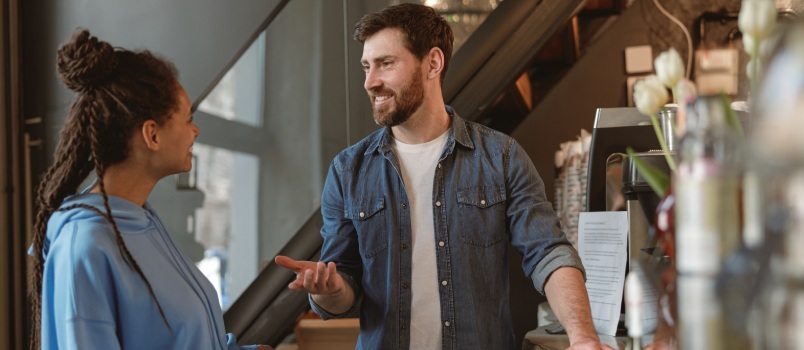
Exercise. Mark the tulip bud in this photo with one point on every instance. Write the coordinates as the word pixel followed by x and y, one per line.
pixel 669 67
pixel 650 95
pixel 757 18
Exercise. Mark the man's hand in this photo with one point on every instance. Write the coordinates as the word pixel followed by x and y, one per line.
pixel 322 281
pixel 566 293
pixel 313 277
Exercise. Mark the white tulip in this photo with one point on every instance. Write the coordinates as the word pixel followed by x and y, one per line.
pixel 757 18
pixel 669 67
pixel 753 66
pixel 766 45
pixel 748 44
pixel 650 95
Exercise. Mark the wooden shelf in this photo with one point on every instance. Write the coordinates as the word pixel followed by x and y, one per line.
pixel 315 334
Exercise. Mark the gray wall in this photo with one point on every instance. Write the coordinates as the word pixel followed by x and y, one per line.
pixel 315 107
pixel 200 36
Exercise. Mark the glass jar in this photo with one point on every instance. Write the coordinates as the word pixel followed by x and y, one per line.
pixel 706 188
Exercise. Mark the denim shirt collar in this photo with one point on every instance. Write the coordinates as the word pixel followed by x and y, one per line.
pixel 457 133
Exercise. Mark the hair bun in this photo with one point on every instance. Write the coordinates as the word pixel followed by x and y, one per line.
pixel 84 62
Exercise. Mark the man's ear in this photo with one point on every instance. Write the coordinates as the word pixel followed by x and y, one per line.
pixel 435 63
pixel 150 135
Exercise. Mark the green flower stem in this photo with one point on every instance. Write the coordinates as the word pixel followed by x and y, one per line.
pixel 755 66
pixel 674 90
pixel 657 180
pixel 656 128
pixel 731 117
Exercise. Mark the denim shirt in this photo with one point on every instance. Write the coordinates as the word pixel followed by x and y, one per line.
pixel 486 194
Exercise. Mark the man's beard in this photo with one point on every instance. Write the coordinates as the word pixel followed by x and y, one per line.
pixel 406 102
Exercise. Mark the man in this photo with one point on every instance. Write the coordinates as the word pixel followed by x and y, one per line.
pixel 417 214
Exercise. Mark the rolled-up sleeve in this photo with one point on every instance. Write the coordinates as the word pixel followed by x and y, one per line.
pixel 561 256
pixel 326 315
pixel 534 227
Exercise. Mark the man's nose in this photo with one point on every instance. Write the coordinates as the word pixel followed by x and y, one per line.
pixel 372 80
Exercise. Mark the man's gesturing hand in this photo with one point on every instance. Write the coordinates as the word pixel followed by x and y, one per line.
pixel 312 277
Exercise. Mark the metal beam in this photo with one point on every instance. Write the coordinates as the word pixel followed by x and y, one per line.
pixel 508 62
pixel 262 313
pixel 239 137
pixel 483 43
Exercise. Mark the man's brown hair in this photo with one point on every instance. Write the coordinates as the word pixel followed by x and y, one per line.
pixel 423 27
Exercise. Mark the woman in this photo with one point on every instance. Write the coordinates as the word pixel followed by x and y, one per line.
pixel 108 275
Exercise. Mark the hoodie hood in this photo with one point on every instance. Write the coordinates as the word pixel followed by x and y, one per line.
pixel 129 217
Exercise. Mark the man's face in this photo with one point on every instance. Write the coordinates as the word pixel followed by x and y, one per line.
pixel 394 79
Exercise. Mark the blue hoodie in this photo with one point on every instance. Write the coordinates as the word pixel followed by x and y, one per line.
pixel 91 299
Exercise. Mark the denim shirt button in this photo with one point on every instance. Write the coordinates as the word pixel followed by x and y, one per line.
pixel 404 206
pixel 438 203
pixel 404 246
pixel 362 214
pixel 404 286
pixel 439 165
pixel 444 282
pixel 446 323
pixel 482 202
pixel 440 243
pixel 402 326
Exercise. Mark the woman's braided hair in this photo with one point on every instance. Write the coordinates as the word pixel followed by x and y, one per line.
pixel 117 91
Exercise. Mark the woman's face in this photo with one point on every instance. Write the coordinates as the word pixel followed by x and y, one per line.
pixel 177 135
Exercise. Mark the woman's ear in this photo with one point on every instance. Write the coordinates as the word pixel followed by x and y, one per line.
pixel 149 135
pixel 435 63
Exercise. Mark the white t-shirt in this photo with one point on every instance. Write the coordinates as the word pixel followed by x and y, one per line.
pixel 418 165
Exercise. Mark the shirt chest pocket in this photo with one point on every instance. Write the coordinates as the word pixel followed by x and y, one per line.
pixel 482 216
pixel 368 217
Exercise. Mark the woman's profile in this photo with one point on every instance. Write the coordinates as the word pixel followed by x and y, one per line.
pixel 107 274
